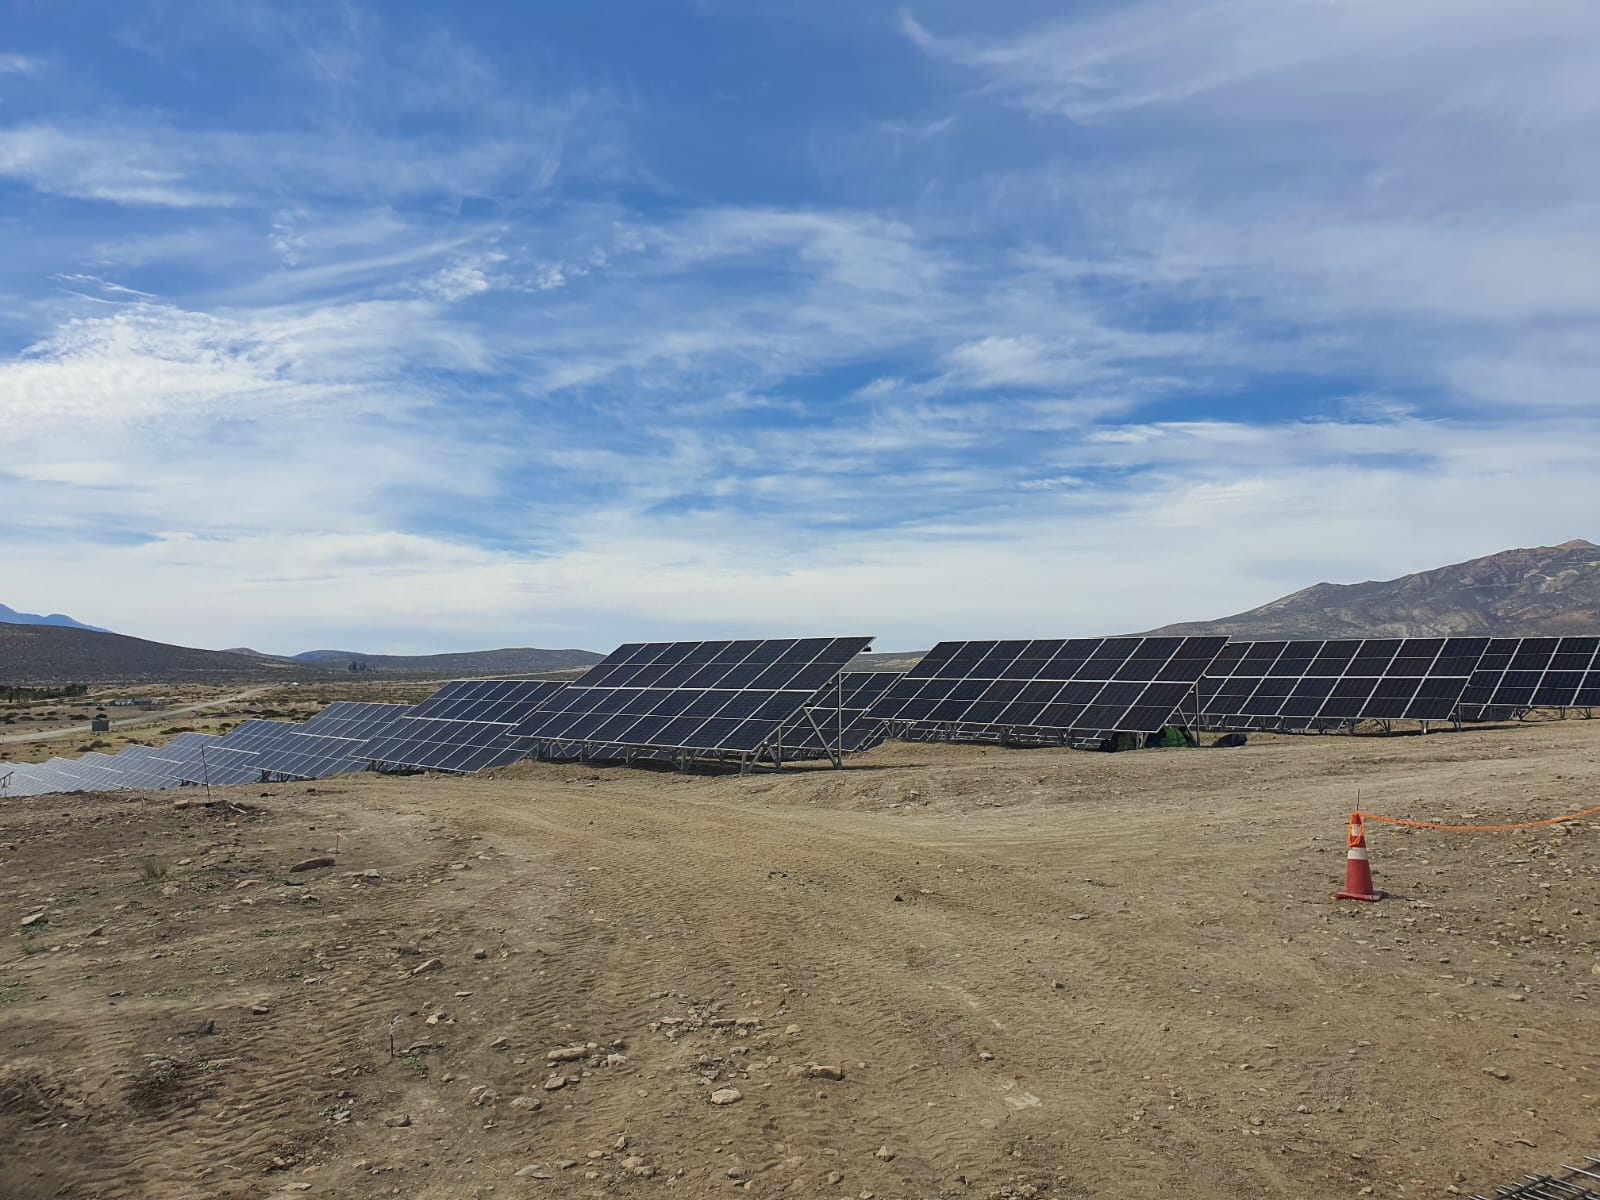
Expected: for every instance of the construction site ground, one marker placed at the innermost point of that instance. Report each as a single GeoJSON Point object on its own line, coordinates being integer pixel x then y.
{"type": "Point", "coordinates": [942, 971]}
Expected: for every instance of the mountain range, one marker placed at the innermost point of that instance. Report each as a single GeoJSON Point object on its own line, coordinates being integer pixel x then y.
{"type": "Point", "coordinates": [1550, 590]}
{"type": "Point", "coordinates": [10, 616]}
{"type": "Point", "coordinates": [48, 654]}
{"type": "Point", "coordinates": [51, 654]}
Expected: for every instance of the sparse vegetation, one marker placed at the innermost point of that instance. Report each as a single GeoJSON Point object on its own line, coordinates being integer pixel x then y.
{"type": "Point", "coordinates": [164, 1084]}
{"type": "Point", "coordinates": [32, 695]}
{"type": "Point", "coordinates": [152, 869]}
{"type": "Point", "coordinates": [416, 1064]}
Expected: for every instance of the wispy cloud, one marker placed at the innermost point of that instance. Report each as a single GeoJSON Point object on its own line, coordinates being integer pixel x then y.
{"type": "Point", "coordinates": [20, 64]}
{"type": "Point", "coordinates": [1413, 180]}
{"type": "Point", "coordinates": [444, 332]}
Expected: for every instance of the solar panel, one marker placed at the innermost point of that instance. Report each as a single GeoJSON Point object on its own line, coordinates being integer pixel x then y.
{"type": "Point", "coordinates": [22, 779]}
{"type": "Point", "coordinates": [141, 769]}
{"type": "Point", "coordinates": [498, 701]}
{"type": "Point", "coordinates": [463, 727]}
{"type": "Point", "coordinates": [56, 775]}
{"type": "Point", "coordinates": [440, 745]}
{"type": "Point", "coordinates": [84, 774]}
{"type": "Point", "coordinates": [301, 755]}
{"type": "Point", "coordinates": [189, 757]}
{"type": "Point", "coordinates": [1540, 672]}
{"type": "Point", "coordinates": [353, 719]}
{"type": "Point", "coordinates": [219, 765]}
{"type": "Point", "coordinates": [1297, 685]}
{"type": "Point", "coordinates": [32, 779]}
{"type": "Point", "coordinates": [329, 743]}
{"type": "Point", "coordinates": [692, 697]}
{"type": "Point", "coordinates": [1082, 688]}
{"type": "Point", "coordinates": [840, 710]}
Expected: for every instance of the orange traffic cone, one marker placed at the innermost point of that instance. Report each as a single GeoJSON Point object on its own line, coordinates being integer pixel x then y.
{"type": "Point", "coordinates": [1357, 870]}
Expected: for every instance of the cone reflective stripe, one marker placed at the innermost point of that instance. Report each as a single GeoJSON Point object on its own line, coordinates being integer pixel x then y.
{"type": "Point", "coordinates": [1357, 868]}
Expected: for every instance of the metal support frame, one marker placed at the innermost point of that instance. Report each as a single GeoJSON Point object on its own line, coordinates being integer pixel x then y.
{"type": "Point", "coordinates": [1579, 1183]}
{"type": "Point", "coordinates": [835, 753]}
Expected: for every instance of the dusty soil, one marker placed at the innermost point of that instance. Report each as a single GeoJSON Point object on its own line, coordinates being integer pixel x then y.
{"type": "Point", "coordinates": [1037, 972]}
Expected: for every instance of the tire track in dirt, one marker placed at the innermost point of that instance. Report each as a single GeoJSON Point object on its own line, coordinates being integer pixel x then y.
{"type": "Point", "coordinates": [1219, 1018]}
{"type": "Point", "coordinates": [778, 885]}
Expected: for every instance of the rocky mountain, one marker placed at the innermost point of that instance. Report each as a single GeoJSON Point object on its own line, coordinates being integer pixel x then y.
{"type": "Point", "coordinates": [10, 616]}
{"type": "Point", "coordinates": [1550, 590]}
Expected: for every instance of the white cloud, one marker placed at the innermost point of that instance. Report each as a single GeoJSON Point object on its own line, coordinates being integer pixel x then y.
{"type": "Point", "coordinates": [1314, 58]}
{"type": "Point", "coordinates": [20, 64]}
{"type": "Point", "coordinates": [1171, 522]}
{"type": "Point", "coordinates": [1407, 185]}
{"type": "Point", "coordinates": [169, 167]}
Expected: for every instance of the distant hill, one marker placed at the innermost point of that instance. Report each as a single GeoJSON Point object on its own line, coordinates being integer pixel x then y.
{"type": "Point", "coordinates": [516, 660]}
{"type": "Point", "coordinates": [38, 654]}
{"type": "Point", "coordinates": [886, 660]}
{"type": "Point", "coordinates": [10, 616]}
{"type": "Point", "coordinates": [1549, 590]}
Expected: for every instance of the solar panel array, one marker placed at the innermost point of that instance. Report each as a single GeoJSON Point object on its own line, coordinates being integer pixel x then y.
{"type": "Point", "coordinates": [181, 753]}
{"type": "Point", "coordinates": [463, 727]}
{"type": "Point", "coordinates": [497, 701]}
{"type": "Point", "coordinates": [1080, 687]}
{"type": "Point", "coordinates": [458, 746]}
{"type": "Point", "coordinates": [329, 743]}
{"type": "Point", "coordinates": [703, 697]}
{"type": "Point", "coordinates": [1292, 685]}
{"type": "Point", "coordinates": [792, 699]}
{"type": "Point", "coordinates": [354, 720]}
{"type": "Point", "coordinates": [1544, 672]}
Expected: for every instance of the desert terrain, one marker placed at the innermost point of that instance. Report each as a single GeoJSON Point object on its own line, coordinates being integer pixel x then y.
{"type": "Point", "coordinates": [43, 729]}
{"type": "Point", "coordinates": [942, 971]}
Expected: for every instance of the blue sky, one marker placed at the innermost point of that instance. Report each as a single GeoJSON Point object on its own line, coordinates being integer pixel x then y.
{"type": "Point", "coordinates": [406, 328]}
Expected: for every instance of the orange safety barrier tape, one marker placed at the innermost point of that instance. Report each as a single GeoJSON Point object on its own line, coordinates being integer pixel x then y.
{"type": "Point", "coordinates": [1356, 818]}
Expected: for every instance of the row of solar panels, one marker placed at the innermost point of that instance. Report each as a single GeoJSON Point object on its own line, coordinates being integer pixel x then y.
{"type": "Point", "coordinates": [791, 698]}
{"type": "Point", "coordinates": [1086, 688]}
{"type": "Point", "coordinates": [466, 726]}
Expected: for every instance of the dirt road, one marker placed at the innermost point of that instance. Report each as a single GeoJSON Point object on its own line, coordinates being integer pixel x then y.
{"type": "Point", "coordinates": [943, 972]}
{"type": "Point", "coordinates": [164, 715]}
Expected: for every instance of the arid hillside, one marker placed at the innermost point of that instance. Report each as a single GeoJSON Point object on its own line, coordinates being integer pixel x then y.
{"type": "Point", "coordinates": [44, 654]}
{"type": "Point", "coordinates": [1545, 590]}
{"type": "Point", "coordinates": [39, 654]}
